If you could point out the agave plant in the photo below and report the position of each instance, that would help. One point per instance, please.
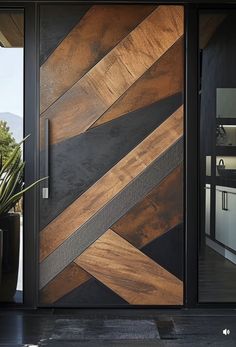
(11, 180)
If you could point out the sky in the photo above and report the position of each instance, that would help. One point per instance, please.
(11, 80)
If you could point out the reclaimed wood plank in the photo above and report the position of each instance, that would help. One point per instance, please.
(101, 28)
(163, 79)
(130, 273)
(93, 94)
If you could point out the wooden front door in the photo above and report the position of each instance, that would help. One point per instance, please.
(111, 136)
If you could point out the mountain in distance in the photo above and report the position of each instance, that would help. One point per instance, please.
(15, 124)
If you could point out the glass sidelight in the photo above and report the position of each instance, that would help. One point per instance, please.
(217, 97)
(11, 133)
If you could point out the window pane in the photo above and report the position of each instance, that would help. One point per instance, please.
(217, 246)
(11, 133)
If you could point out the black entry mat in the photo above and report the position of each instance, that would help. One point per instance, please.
(107, 329)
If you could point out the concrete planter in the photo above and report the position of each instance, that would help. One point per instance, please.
(10, 225)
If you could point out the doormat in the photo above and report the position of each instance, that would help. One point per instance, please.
(107, 329)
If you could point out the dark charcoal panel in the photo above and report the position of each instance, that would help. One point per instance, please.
(55, 23)
(167, 251)
(77, 163)
(91, 293)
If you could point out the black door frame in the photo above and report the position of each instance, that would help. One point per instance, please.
(31, 148)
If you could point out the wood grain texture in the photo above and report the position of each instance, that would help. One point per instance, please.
(12, 28)
(163, 79)
(129, 273)
(71, 177)
(117, 207)
(93, 94)
(53, 32)
(67, 280)
(111, 183)
(99, 31)
(160, 211)
(208, 24)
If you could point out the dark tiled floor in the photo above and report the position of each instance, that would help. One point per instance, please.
(217, 277)
(62, 328)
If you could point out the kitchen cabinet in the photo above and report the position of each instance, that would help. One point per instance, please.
(225, 228)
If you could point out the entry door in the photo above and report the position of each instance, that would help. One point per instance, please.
(111, 115)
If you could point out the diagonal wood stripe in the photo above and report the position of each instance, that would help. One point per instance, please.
(128, 197)
(111, 183)
(108, 141)
(98, 32)
(160, 211)
(93, 94)
(129, 273)
(67, 280)
(163, 79)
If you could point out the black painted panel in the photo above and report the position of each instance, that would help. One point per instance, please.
(77, 163)
(167, 251)
(91, 293)
(55, 23)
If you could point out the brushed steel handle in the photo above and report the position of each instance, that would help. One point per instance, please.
(45, 190)
(224, 201)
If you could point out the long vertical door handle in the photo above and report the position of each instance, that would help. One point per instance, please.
(45, 191)
(225, 201)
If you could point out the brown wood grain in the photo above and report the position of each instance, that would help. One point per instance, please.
(101, 28)
(130, 273)
(160, 211)
(208, 24)
(12, 29)
(67, 280)
(116, 179)
(163, 79)
(96, 91)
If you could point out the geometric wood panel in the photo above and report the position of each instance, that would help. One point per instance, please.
(164, 78)
(143, 235)
(82, 47)
(156, 214)
(111, 183)
(111, 85)
(80, 106)
(135, 277)
(107, 141)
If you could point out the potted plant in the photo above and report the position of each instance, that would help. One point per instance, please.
(11, 190)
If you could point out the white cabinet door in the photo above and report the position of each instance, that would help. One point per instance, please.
(225, 229)
(232, 220)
